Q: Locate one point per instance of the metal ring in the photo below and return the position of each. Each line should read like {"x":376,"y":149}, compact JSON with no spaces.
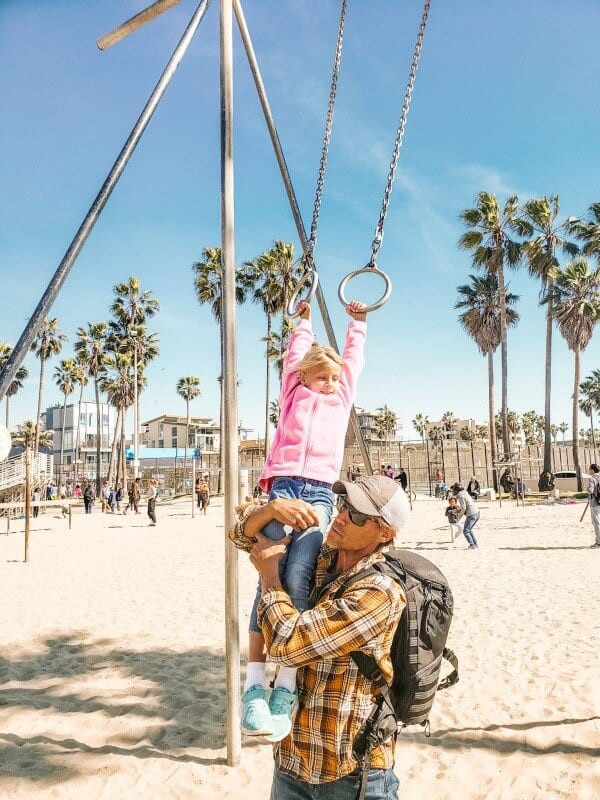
{"x":367,"y":271}
{"x":310,"y":274}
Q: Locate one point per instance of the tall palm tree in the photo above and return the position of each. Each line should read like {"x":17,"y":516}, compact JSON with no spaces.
{"x":588,"y":232}
{"x":514,"y":426}
{"x":576,"y":299}
{"x":90,"y":348}
{"x":563,"y":428}
{"x":274,"y":412}
{"x":488,"y":239}
{"x":48,"y":342}
{"x":31,"y":436}
{"x":189,"y":389}
{"x":554,"y":432}
{"x":386,"y":421}
{"x":420,"y":423}
{"x":479,"y":302}
{"x":117,"y":383}
{"x":449,"y":421}
{"x":436,"y":434}
{"x":16,"y":383}
{"x":65,"y":377}
{"x":540,"y":217}
{"x":82,"y":381}
{"x":587,"y":406}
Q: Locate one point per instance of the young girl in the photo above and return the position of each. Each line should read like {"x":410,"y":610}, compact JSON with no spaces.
{"x":453,"y":514}
{"x":317,"y":392}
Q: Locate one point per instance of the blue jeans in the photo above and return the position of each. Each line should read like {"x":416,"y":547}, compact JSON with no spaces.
{"x":470,"y":522}
{"x":382,"y":785}
{"x":298,"y":564}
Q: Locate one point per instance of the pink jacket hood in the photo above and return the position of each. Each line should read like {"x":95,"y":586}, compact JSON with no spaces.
{"x":309,"y":440}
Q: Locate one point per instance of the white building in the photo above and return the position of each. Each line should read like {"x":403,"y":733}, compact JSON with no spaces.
{"x":82,"y":433}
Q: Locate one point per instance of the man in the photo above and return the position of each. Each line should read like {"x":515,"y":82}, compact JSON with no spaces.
{"x":592,"y":488}
{"x":468,"y":510}
{"x":334,"y":700}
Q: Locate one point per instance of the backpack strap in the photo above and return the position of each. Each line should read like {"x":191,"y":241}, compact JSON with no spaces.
{"x":452,"y":677}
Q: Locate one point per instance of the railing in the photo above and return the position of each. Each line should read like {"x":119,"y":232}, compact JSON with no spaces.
{"x":12,"y":471}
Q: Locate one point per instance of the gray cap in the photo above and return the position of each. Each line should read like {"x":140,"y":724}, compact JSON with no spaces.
{"x":378,"y":496}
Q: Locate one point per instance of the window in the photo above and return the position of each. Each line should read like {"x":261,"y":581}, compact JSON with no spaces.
{"x":174,"y":442}
{"x":161,"y":442}
{"x":153,"y":444}
{"x":174,"y":430}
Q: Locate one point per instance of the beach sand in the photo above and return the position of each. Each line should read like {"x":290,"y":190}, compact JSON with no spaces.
{"x":112,"y":660}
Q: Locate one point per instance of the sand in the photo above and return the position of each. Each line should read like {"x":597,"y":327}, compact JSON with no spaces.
{"x":112,"y":660}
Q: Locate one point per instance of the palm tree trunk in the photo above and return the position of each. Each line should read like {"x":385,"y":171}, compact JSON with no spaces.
{"x":576,"y":422}
{"x":27,"y":500}
{"x":123,"y":460}
{"x":98,"y":434}
{"x":187,"y":438}
{"x":78,"y":435}
{"x":113,"y":449}
{"x":503,"y":349}
{"x":62,"y":442}
{"x":39,"y":404}
{"x":491,"y":418}
{"x":267,"y":387}
{"x":548,"y":387}
{"x":593,"y":434}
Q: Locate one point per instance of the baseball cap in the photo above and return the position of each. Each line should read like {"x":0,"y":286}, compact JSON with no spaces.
{"x":378,"y":496}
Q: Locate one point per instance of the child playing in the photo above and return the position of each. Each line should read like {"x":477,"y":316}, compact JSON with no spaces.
{"x":317,"y":392}
{"x":453,"y":515}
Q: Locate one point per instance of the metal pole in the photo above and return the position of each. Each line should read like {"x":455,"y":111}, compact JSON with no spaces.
{"x":193,"y":486}
{"x":260,"y":87}
{"x":42,"y":310}
{"x":136,"y":422}
{"x":229,"y":433}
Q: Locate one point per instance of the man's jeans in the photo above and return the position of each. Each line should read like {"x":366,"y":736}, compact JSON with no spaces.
{"x":595,"y":515}
{"x":470,"y":522}
{"x":297,"y":566}
{"x":382,"y":785}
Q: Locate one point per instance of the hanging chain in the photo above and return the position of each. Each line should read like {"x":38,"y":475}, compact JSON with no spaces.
{"x":399,"y":136}
{"x":326,"y":137}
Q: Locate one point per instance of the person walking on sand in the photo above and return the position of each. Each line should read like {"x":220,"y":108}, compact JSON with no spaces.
{"x":37,"y":496}
{"x":467,"y":509}
{"x":134,"y":494}
{"x":88,"y":497}
{"x":473,"y":488}
{"x":316,"y":761}
{"x":317,"y":391}
{"x":452,"y":514}
{"x":593,"y":488}
{"x":151,"y":496}
{"x":204,"y":493}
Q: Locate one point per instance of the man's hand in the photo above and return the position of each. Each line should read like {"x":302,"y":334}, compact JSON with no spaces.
{"x":295,"y":513}
{"x":303,"y":310}
{"x":356,"y":311}
{"x":266,"y":555}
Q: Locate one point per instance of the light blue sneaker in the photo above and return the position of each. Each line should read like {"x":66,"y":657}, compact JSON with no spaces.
{"x":283,"y":705}
{"x":255,"y":714}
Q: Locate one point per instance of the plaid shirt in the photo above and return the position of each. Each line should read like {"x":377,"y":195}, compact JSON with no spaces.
{"x":334,"y":698}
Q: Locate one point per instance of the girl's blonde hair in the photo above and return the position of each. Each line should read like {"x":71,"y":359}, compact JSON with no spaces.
{"x":317,"y":355}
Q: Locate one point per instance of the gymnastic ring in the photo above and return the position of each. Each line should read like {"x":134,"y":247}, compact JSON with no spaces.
{"x":312,"y":275}
{"x":368,"y":270}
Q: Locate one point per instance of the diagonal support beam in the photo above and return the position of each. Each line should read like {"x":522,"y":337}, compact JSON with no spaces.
{"x":145,"y":16}
{"x":289,"y":188}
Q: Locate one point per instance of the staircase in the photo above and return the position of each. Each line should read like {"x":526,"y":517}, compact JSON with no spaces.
{"x":12,"y":471}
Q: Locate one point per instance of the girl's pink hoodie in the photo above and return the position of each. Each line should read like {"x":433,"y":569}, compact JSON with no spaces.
{"x":309,"y":440}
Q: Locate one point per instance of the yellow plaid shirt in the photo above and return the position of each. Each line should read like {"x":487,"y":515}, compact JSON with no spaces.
{"x":334,"y":698}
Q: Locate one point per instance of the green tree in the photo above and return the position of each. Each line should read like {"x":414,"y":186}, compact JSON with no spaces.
{"x":420,"y":423}
{"x":32,"y":437}
{"x":386,"y":421}
{"x":479,"y":303}
{"x":17,"y":382}
{"x":117,"y":383}
{"x":576,"y":300}
{"x":274,"y":413}
{"x":188,"y":388}
{"x":588,"y":232}
{"x":563,"y":428}
{"x":65,"y":377}
{"x":90,"y":349}
{"x":488,"y":238}
{"x":466,"y":434}
{"x":540,"y":218}
{"x":47,"y":343}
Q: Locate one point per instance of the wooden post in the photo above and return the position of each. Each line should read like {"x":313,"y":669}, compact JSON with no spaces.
{"x":70,"y":516}
{"x":458,"y":461}
{"x":409,"y":481}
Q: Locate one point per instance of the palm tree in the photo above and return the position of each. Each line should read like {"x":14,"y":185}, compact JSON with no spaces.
{"x":436,"y":434}
{"x":554,"y":432}
{"x":420,"y":423}
{"x":189,"y":389}
{"x":586,"y":405}
{"x":274,"y":412}
{"x":131,"y":305}
{"x":65,"y":377}
{"x":386,"y":421}
{"x":513,"y":426}
{"x":449,"y":421}
{"x":31,"y":436}
{"x":117,"y":383}
{"x":277,"y":344}
{"x":563,"y":428}
{"x":16,"y":383}
{"x":274,"y":278}
{"x":82,"y":381}
{"x":541,"y":216}
{"x":481,"y":319}
{"x":576,"y":298}
{"x":588,"y":232}
{"x":488,"y":239}
{"x":48,"y":342}
{"x":90,"y":348}
{"x":466,"y":434}
{"x":482,"y":432}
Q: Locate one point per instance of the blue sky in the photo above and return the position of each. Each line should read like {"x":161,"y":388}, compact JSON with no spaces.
{"x":506,"y":100}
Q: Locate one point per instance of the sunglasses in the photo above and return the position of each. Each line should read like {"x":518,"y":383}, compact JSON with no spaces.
{"x":356,"y":517}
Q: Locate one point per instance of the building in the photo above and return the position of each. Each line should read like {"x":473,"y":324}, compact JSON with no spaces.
{"x":367,"y":422}
{"x":82,"y":432}
{"x":168,"y":431}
